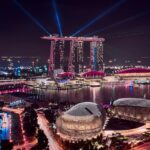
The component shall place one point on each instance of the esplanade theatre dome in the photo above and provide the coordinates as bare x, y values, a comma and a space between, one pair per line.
136, 109
81, 122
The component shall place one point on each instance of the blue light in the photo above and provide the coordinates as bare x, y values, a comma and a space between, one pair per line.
131, 89
63, 80
120, 22
18, 71
5, 130
99, 17
31, 17
57, 17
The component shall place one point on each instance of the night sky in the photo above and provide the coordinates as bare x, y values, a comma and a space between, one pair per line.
19, 35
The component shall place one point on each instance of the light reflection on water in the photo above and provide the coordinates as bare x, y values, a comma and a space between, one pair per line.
103, 94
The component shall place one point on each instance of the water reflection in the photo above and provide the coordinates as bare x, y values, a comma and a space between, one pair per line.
103, 94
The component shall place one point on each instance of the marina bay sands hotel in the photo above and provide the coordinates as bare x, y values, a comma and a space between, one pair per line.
69, 53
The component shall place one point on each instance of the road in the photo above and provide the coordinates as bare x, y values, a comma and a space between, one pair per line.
44, 125
27, 145
145, 146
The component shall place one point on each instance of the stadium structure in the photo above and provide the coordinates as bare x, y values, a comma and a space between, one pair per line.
83, 121
135, 109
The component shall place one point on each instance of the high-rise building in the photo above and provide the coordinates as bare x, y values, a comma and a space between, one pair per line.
59, 55
96, 56
99, 56
74, 46
78, 57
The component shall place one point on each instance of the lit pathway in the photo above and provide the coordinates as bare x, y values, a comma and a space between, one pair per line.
44, 125
145, 146
26, 145
6, 82
17, 111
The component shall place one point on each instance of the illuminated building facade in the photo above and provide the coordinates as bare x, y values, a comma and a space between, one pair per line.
75, 54
93, 74
78, 56
59, 55
133, 73
136, 109
96, 56
83, 121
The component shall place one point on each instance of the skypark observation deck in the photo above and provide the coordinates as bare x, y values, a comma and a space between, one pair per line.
71, 38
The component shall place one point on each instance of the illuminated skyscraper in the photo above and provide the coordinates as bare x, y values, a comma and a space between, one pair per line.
78, 56
99, 56
96, 55
59, 55
74, 46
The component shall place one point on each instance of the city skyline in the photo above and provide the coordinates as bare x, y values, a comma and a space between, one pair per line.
127, 34
75, 74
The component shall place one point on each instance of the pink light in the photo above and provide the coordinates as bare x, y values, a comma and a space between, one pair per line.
66, 74
14, 91
134, 70
88, 39
93, 73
